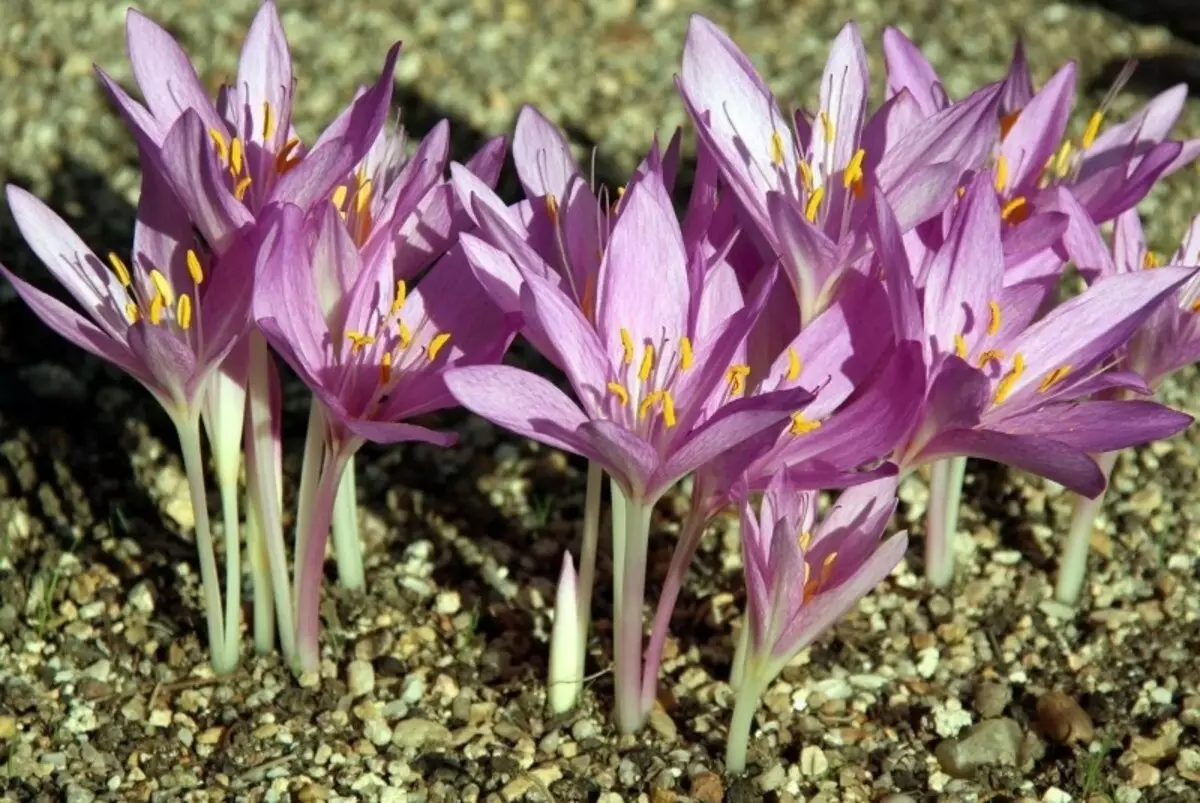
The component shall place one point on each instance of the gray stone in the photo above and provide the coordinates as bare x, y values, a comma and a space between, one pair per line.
993, 742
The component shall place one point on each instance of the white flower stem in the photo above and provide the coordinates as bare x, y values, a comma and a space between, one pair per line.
628, 603
347, 547
587, 555
228, 485
747, 695
310, 470
1072, 566
941, 522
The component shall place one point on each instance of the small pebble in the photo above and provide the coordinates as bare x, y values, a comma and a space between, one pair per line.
707, 787
813, 763
993, 742
417, 733
1062, 720
992, 698
360, 678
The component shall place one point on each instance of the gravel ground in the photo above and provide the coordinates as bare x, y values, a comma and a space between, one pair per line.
430, 688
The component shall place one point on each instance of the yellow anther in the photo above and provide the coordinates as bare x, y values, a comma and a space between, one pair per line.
360, 177
1015, 211
183, 311
648, 402
1092, 130
814, 204
1195, 306
794, 365
219, 144
960, 346
268, 125
239, 189
618, 390
1151, 260
807, 583
777, 149
852, 178
283, 160
668, 409
995, 320
436, 345
339, 197
989, 356
1007, 121
236, 156
194, 267
358, 341
1062, 161
385, 368
131, 312
620, 192
401, 296
552, 208
1001, 172
162, 286
157, 305
119, 268
827, 567
1054, 377
1005, 386
801, 425
647, 363
404, 333
686, 357
805, 540
363, 196
626, 346
960, 192
805, 173
736, 376
826, 126
588, 303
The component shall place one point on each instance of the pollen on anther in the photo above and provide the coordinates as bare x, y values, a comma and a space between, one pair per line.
404, 333
805, 173
131, 312
1005, 386
1001, 173
618, 390
801, 425
119, 267
436, 345
1007, 121
1062, 161
283, 160
826, 126
626, 347
239, 190
736, 376
960, 346
195, 269
649, 402
814, 204
401, 296
183, 311
219, 144
236, 156
988, 356
794, 365
1093, 129
1151, 260
777, 149
668, 409
1054, 377
358, 341
157, 305
647, 363
385, 368
268, 125
995, 320
804, 540
852, 178
686, 357
163, 287
1015, 211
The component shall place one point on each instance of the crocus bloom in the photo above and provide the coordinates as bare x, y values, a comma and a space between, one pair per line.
1003, 386
372, 352
802, 189
802, 576
1168, 340
656, 400
167, 315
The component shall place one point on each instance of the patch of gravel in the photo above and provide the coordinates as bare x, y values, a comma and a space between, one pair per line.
430, 687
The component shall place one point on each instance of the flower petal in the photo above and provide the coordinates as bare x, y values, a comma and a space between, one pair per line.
908, 69
578, 348
165, 74
1100, 426
1055, 461
542, 157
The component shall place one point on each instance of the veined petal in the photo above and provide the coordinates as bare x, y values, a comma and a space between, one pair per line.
291, 300
908, 69
541, 155
808, 256
146, 129
170, 360
576, 344
165, 74
1129, 242
265, 80
1055, 461
398, 432
226, 296
901, 290
626, 457
1018, 86
844, 89
1082, 241
1100, 426
1038, 130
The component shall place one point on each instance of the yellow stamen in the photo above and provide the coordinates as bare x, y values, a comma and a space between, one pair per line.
668, 409
801, 425
1007, 121
219, 144
1054, 377
827, 567
961, 191
806, 176
239, 190
236, 157
268, 126
552, 209
131, 312
618, 390
736, 376
283, 160
194, 267
436, 344
339, 197
119, 268
1001, 173
995, 320
685, 353
627, 346
183, 311
385, 368
1062, 161
989, 355
1092, 130
1195, 306
1004, 388
358, 341
805, 540
807, 583
363, 196
648, 402
814, 204
777, 149
404, 333
826, 126
162, 286
852, 178
157, 305
794, 366
1015, 211
960, 346
401, 297
1151, 260
647, 363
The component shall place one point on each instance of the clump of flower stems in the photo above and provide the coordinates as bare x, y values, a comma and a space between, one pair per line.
848, 296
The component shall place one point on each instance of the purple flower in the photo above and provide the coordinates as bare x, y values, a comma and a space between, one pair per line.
802, 576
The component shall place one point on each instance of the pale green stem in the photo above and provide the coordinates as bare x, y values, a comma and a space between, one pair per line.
310, 471
627, 674
587, 555
347, 547
1072, 566
737, 671
617, 514
941, 522
264, 603
228, 484
193, 464
745, 703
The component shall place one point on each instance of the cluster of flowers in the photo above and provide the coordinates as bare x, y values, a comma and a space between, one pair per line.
847, 297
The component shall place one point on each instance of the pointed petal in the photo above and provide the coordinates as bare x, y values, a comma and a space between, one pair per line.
844, 89
388, 432
626, 457
908, 69
165, 74
1082, 241
1039, 129
265, 80
808, 256
1100, 426
576, 344
902, 292
1055, 461
542, 157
